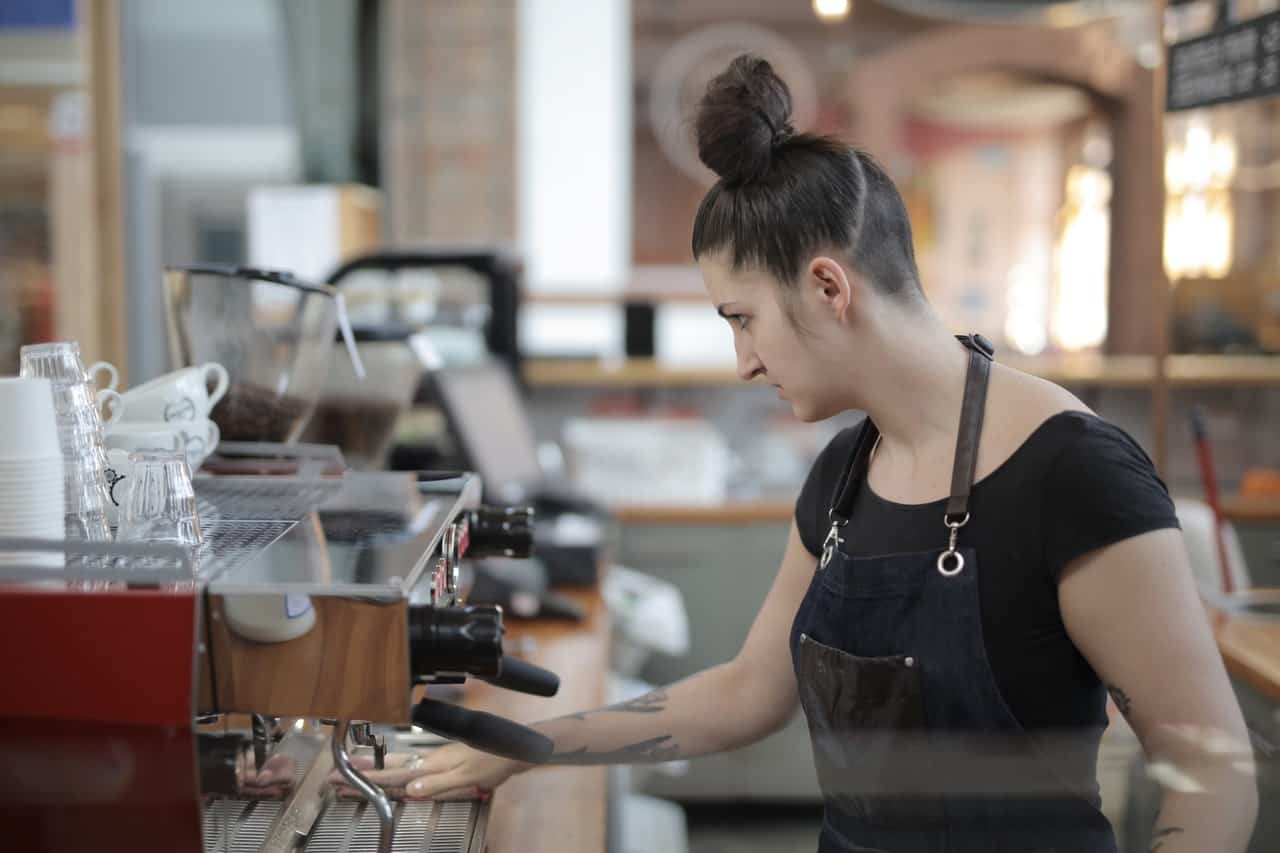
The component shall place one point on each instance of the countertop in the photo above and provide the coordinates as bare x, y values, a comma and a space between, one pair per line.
1251, 650
560, 809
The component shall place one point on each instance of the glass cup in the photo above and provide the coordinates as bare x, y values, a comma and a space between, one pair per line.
86, 498
60, 363
79, 404
159, 504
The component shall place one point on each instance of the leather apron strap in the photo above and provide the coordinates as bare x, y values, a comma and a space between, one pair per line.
977, 376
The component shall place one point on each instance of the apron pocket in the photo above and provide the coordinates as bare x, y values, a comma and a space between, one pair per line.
870, 741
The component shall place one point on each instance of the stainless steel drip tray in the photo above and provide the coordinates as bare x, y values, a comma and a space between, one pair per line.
364, 534
350, 826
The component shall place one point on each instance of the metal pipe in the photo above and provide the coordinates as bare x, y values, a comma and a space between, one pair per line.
371, 792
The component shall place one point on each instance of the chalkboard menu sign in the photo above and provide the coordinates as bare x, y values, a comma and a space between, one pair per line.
1234, 63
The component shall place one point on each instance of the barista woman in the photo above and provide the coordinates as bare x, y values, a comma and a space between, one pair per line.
968, 572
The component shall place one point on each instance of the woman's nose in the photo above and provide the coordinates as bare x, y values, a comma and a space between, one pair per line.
748, 363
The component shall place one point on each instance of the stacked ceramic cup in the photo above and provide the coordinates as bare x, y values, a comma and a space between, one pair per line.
31, 469
171, 412
79, 430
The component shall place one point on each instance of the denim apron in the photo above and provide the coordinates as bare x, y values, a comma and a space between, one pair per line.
916, 750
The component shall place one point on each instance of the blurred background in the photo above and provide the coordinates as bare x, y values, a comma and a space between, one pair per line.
515, 179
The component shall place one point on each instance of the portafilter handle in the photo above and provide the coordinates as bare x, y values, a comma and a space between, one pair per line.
500, 532
483, 731
455, 640
525, 677
468, 641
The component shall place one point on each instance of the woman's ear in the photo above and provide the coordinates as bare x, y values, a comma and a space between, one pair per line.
833, 287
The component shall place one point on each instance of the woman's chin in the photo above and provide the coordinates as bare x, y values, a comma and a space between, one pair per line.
810, 412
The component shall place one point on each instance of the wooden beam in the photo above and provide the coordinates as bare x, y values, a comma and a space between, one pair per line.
100, 24
1161, 300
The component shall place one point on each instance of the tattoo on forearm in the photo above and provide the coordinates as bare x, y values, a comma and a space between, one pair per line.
1162, 835
649, 703
1122, 700
655, 749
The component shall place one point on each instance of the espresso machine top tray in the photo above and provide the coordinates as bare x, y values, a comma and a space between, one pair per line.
367, 534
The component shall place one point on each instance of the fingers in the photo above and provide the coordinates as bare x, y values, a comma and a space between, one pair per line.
395, 778
444, 786
364, 760
470, 792
423, 788
270, 792
277, 768
402, 767
426, 791
276, 772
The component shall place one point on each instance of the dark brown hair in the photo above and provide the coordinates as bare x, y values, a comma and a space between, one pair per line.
782, 197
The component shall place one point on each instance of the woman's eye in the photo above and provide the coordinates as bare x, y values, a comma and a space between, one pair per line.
741, 320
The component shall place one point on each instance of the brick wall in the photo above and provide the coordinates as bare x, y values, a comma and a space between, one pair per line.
449, 120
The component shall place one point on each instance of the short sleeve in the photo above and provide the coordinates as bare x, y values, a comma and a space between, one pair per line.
817, 492
1101, 489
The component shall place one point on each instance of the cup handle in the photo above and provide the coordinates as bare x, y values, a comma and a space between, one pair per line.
221, 381
215, 435
116, 410
113, 382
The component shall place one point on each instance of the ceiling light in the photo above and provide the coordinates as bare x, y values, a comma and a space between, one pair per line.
831, 10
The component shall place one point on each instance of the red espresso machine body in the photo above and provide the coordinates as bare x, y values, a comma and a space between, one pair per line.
161, 699
97, 750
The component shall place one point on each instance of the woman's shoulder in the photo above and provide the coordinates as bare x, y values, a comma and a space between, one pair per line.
1045, 427
1027, 420
1077, 438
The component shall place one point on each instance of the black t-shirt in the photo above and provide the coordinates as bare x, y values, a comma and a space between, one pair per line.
1075, 485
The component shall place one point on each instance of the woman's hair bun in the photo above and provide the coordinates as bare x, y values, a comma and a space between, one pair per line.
743, 117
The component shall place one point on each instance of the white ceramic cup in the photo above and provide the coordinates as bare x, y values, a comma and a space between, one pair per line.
197, 439
113, 375
182, 395
114, 410
28, 424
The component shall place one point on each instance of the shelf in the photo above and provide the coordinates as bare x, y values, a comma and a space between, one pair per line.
1211, 371
1091, 370
732, 512
651, 294
628, 373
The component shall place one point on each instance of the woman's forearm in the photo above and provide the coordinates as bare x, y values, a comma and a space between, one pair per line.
702, 714
1219, 817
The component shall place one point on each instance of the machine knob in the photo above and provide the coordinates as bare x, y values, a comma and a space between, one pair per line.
500, 532
455, 640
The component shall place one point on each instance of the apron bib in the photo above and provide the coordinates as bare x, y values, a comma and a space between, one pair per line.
916, 749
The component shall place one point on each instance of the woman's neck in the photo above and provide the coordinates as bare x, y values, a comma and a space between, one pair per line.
914, 388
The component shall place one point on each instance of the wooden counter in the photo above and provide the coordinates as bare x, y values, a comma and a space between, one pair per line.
1092, 370
560, 809
1251, 650
1256, 510
729, 512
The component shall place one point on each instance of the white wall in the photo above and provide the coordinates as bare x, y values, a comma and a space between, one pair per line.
207, 116
574, 144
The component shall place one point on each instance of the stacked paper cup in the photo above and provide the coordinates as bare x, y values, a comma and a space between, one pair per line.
31, 470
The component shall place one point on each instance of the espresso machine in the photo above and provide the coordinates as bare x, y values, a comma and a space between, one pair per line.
163, 698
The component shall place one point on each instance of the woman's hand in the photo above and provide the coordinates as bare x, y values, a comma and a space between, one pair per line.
449, 772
